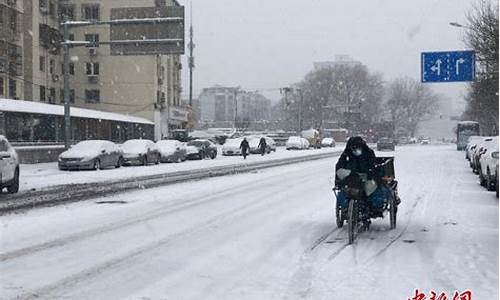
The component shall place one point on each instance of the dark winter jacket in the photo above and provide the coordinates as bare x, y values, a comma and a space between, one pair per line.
365, 163
244, 145
262, 143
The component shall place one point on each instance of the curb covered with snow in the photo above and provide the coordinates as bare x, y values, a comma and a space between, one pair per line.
84, 191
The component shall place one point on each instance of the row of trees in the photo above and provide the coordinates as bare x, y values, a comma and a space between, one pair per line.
356, 99
482, 94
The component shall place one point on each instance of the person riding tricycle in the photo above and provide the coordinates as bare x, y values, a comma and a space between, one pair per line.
364, 187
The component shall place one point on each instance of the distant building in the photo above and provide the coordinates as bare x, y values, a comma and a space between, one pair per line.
340, 60
218, 104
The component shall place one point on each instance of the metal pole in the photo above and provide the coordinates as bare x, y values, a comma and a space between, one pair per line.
300, 110
67, 115
235, 107
191, 59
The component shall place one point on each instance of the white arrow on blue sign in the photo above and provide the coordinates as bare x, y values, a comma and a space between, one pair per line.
450, 66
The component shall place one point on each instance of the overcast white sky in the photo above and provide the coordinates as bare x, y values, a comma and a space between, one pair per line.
263, 44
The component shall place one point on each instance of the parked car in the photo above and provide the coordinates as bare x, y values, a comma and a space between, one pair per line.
385, 144
254, 145
232, 147
171, 151
328, 142
496, 179
200, 149
471, 145
425, 141
9, 166
91, 155
296, 143
487, 164
476, 153
140, 152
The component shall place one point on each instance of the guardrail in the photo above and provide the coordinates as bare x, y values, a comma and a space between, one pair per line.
79, 192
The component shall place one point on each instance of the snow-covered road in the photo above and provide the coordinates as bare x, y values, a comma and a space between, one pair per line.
264, 235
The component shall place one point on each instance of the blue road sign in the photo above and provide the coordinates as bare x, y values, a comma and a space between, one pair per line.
452, 66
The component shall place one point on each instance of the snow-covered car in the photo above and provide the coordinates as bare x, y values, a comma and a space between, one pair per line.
385, 144
171, 151
476, 153
425, 141
254, 145
296, 143
471, 145
140, 152
200, 149
91, 155
232, 147
9, 166
328, 142
487, 164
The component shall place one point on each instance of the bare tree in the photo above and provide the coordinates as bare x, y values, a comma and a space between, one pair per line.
482, 36
409, 101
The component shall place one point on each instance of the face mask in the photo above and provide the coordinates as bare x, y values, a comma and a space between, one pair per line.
357, 152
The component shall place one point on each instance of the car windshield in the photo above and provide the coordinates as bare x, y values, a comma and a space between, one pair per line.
134, 146
196, 143
167, 145
88, 146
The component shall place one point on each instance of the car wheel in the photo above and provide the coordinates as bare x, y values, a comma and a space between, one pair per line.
97, 164
179, 159
213, 156
489, 183
158, 158
14, 185
119, 163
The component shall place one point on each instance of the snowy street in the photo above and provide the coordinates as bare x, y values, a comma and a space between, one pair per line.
269, 234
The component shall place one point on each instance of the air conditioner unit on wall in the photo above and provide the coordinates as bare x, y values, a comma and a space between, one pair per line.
93, 51
55, 77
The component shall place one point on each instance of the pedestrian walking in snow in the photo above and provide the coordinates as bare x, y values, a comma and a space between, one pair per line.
244, 146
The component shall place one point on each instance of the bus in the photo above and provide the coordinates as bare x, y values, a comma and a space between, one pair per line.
465, 130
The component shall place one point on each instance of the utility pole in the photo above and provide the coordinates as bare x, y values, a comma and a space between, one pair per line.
235, 107
191, 58
300, 110
67, 115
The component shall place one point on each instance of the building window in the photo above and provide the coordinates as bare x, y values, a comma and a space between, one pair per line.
92, 96
42, 93
90, 12
12, 89
52, 97
71, 68
92, 68
52, 65
67, 11
52, 9
43, 5
93, 38
13, 20
71, 96
2, 91
42, 63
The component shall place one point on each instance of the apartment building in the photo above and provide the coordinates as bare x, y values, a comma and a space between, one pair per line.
128, 79
11, 49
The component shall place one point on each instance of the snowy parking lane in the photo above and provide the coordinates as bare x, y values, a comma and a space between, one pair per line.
264, 235
40, 176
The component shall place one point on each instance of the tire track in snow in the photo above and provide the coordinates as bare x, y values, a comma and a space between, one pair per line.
157, 213
217, 220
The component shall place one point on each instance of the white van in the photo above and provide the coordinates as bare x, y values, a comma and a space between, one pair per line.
9, 166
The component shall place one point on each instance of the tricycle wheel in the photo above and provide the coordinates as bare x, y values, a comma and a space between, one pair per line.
393, 211
352, 220
340, 219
